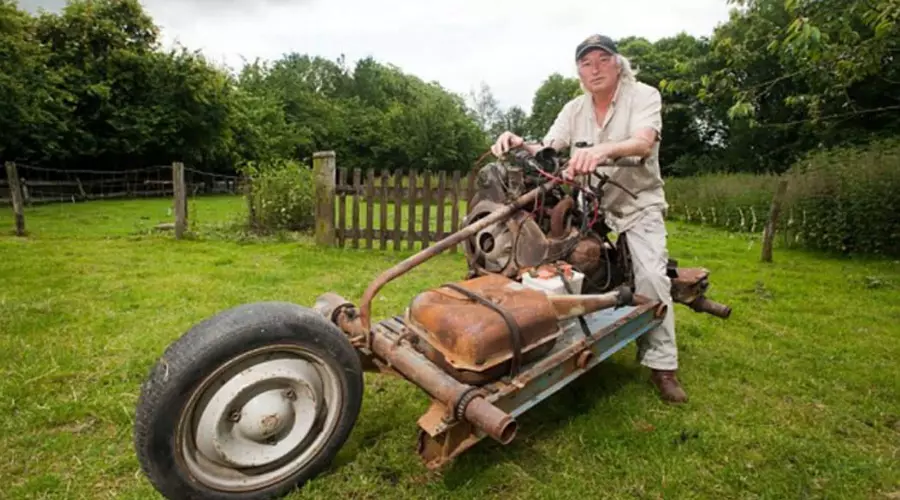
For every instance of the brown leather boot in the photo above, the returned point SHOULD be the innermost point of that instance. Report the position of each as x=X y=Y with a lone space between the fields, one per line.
x=667 y=384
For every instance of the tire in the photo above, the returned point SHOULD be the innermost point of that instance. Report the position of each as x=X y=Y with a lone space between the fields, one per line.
x=207 y=425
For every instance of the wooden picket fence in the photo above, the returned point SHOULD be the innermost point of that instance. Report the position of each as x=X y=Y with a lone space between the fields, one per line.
x=377 y=208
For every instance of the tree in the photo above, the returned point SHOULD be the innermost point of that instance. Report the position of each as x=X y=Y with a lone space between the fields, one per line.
x=514 y=119
x=130 y=103
x=548 y=101
x=791 y=76
x=688 y=130
x=31 y=102
x=485 y=110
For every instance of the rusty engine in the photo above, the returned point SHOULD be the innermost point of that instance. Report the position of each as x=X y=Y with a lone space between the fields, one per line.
x=562 y=226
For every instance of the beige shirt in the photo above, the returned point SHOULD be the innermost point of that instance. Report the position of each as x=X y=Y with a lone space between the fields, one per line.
x=635 y=105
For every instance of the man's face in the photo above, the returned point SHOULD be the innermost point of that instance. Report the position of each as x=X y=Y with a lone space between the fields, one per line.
x=598 y=71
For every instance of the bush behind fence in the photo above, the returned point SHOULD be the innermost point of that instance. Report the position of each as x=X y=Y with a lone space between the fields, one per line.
x=843 y=199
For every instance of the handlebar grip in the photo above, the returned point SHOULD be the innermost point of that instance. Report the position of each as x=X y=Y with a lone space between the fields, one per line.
x=627 y=161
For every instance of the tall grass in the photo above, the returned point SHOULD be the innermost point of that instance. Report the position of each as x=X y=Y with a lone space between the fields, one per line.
x=842 y=199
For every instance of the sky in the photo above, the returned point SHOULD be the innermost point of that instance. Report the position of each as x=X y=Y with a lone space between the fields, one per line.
x=512 y=46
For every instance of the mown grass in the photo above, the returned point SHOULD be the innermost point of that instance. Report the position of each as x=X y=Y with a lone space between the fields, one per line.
x=796 y=396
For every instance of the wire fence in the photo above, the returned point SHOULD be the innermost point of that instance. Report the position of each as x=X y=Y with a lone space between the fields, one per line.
x=41 y=185
x=27 y=186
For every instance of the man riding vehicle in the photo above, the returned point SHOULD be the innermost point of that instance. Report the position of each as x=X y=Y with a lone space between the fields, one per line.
x=619 y=117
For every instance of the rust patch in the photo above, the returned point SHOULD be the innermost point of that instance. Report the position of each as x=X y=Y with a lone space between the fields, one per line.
x=270 y=424
x=470 y=335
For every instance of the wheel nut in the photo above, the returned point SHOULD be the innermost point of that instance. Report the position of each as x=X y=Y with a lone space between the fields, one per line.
x=235 y=416
x=290 y=394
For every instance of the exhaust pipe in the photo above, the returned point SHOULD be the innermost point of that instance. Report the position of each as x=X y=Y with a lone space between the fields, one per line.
x=705 y=305
x=572 y=306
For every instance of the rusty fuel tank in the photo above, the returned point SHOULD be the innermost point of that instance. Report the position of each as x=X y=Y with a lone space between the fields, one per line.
x=491 y=325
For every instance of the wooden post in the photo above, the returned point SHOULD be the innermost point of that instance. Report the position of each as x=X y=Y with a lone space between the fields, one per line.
x=15 y=195
x=251 y=207
x=769 y=232
x=323 y=170
x=26 y=198
x=180 y=199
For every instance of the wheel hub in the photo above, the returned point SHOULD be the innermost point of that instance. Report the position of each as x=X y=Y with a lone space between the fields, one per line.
x=261 y=415
x=266 y=415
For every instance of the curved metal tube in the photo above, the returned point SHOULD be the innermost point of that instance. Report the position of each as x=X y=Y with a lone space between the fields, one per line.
x=389 y=275
x=558 y=217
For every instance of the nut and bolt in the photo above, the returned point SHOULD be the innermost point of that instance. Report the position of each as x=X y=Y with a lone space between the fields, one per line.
x=235 y=416
x=290 y=395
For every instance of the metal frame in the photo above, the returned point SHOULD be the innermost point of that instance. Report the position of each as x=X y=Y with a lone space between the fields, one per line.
x=574 y=355
x=463 y=414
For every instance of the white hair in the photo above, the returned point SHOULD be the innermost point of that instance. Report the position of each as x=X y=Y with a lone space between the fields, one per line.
x=626 y=72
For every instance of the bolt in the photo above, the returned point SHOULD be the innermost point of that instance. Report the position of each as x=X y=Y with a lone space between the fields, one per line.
x=290 y=394
x=235 y=416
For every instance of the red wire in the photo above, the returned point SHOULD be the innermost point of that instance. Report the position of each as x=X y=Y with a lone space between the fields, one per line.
x=555 y=178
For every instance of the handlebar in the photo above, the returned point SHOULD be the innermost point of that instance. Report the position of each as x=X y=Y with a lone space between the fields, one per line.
x=606 y=179
x=548 y=159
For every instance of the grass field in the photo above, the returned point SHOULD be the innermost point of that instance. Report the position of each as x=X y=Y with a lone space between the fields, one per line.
x=796 y=396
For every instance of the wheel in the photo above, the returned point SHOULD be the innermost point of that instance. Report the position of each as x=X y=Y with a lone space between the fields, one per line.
x=248 y=404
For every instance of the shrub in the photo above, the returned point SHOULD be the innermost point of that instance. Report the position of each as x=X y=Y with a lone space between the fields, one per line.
x=843 y=199
x=850 y=198
x=282 y=195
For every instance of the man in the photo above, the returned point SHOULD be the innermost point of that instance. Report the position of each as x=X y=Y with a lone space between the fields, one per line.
x=619 y=117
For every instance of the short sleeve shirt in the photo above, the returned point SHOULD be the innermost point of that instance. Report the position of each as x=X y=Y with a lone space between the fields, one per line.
x=635 y=105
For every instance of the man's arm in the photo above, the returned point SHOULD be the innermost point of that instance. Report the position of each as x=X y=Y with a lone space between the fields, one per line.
x=645 y=127
x=639 y=144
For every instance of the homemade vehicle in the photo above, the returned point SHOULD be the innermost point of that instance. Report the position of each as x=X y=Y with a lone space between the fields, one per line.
x=258 y=399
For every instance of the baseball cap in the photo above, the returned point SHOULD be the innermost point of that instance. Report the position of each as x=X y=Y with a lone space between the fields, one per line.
x=595 y=42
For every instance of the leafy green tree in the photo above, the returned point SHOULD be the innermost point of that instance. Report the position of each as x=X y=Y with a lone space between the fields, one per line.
x=31 y=102
x=548 y=101
x=790 y=76
x=513 y=119
x=128 y=102
x=689 y=131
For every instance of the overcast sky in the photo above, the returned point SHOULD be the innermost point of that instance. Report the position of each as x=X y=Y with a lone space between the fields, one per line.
x=510 y=45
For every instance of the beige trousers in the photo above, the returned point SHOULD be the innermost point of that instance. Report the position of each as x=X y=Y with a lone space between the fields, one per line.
x=649 y=256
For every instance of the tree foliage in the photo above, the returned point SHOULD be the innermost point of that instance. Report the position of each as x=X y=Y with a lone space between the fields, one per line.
x=92 y=87
x=548 y=101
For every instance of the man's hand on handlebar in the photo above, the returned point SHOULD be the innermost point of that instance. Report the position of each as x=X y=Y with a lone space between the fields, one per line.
x=508 y=140
x=505 y=142
x=586 y=160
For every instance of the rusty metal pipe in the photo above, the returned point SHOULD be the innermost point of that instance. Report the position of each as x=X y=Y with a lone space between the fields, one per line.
x=449 y=242
x=572 y=306
x=558 y=217
x=495 y=422
x=703 y=304
x=442 y=387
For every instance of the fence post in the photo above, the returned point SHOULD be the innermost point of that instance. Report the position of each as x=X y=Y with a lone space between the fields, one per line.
x=15 y=195
x=180 y=199
x=247 y=186
x=323 y=170
x=769 y=233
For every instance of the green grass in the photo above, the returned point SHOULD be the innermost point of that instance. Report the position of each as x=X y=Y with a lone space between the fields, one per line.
x=796 y=396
